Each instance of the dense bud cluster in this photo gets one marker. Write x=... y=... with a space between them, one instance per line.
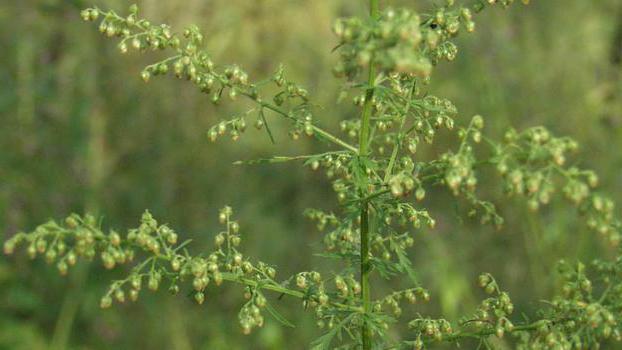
x=412 y=123
x=191 y=62
x=583 y=314
x=235 y=127
x=494 y=311
x=402 y=41
x=394 y=300
x=578 y=318
x=391 y=43
x=163 y=261
x=429 y=328
x=459 y=174
x=530 y=151
x=532 y=164
x=381 y=186
x=64 y=244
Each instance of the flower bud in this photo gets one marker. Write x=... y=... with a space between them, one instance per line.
x=71 y=258
x=62 y=267
x=172 y=238
x=199 y=297
x=134 y=295
x=9 y=247
x=119 y=295
x=146 y=76
x=115 y=239
x=235 y=227
x=154 y=282
x=420 y=194
x=105 y=302
x=484 y=280
x=478 y=121
x=237 y=259
x=260 y=301
x=301 y=281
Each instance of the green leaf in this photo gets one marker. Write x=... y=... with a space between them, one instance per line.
x=323 y=342
x=265 y=123
x=405 y=263
x=279 y=317
x=276 y=159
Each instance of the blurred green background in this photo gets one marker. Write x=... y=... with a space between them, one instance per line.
x=81 y=132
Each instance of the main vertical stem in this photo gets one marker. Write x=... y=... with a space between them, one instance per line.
x=363 y=152
x=365 y=331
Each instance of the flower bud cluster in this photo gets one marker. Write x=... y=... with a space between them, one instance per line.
x=162 y=261
x=493 y=314
x=193 y=63
x=322 y=218
x=336 y=164
x=532 y=161
x=599 y=212
x=347 y=285
x=523 y=155
x=430 y=329
x=405 y=213
x=403 y=183
x=401 y=41
x=234 y=127
x=390 y=253
x=578 y=319
x=394 y=300
x=316 y=295
x=404 y=117
x=459 y=174
x=149 y=36
x=64 y=243
x=343 y=188
x=342 y=237
x=389 y=245
x=484 y=210
x=352 y=127
x=250 y=314
x=289 y=89
x=150 y=236
x=430 y=114
x=392 y=43
x=425 y=117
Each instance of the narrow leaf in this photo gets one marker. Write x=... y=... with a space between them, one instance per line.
x=279 y=317
x=265 y=123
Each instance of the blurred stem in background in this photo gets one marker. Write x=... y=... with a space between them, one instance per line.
x=94 y=161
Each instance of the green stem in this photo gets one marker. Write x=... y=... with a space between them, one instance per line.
x=235 y=278
x=488 y=332
x=459 y=335
x=363 y=152
x=365 y=288
x=396 y=147
x=317 y=130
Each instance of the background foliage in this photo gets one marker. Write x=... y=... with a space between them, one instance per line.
x=82 y=133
